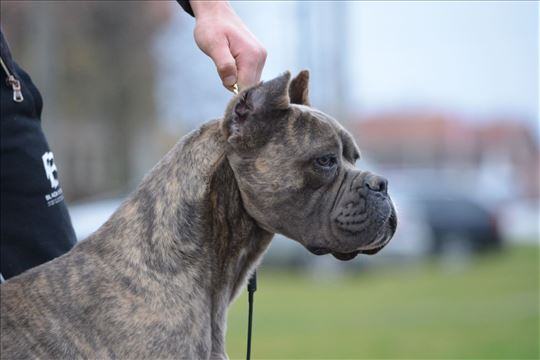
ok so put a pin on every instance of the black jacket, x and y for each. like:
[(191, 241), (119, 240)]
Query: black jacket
[(34, 222), (35, 226)]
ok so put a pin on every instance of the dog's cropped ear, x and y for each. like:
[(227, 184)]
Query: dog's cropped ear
[(270, 95), (250, 112), (298, 89)]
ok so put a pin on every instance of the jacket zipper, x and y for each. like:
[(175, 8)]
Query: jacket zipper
[(14, 83)]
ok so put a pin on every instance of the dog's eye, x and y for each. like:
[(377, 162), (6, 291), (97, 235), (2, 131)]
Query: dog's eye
[(326, 161)]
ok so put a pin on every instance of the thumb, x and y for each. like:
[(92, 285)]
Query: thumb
[(225, 63)]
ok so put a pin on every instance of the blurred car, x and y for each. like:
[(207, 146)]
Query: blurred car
[(459, 224)]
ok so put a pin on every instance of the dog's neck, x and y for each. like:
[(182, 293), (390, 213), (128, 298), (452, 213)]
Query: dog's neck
[(197, 239)]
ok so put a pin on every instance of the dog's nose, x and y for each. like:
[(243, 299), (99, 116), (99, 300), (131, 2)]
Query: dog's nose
[(377, 183)]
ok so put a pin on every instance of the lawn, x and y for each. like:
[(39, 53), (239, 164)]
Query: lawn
[(485, 309)]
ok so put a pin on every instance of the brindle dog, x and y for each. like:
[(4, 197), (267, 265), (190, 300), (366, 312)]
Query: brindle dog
[(156, 279)]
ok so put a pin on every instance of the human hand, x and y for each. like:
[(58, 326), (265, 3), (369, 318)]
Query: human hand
[(220, 34)]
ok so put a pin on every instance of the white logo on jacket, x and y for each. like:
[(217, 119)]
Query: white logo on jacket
[(57, 195), (50, 169)]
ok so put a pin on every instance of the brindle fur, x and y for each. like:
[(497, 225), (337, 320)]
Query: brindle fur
[(156, 279)]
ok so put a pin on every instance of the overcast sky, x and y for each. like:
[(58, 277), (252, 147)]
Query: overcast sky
[(477, 57)]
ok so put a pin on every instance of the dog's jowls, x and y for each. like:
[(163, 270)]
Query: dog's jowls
[(156, 279)]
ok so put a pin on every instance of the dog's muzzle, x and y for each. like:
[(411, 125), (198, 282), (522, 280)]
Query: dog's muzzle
[(365, 216)]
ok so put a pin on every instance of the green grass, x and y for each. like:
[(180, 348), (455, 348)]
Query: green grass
[(485, 310)]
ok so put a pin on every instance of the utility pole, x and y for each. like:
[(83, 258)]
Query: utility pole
[(323, 34)]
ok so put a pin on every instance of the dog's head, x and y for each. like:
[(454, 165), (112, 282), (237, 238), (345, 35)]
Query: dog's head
[(295, 168)]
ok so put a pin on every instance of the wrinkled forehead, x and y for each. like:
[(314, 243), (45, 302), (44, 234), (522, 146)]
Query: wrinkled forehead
[(322, 129)]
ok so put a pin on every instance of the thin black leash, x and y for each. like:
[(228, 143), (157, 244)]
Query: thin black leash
[(252, 287), (252, 282)]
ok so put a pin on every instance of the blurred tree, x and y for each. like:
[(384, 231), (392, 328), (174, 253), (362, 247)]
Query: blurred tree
[(93, 64)]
